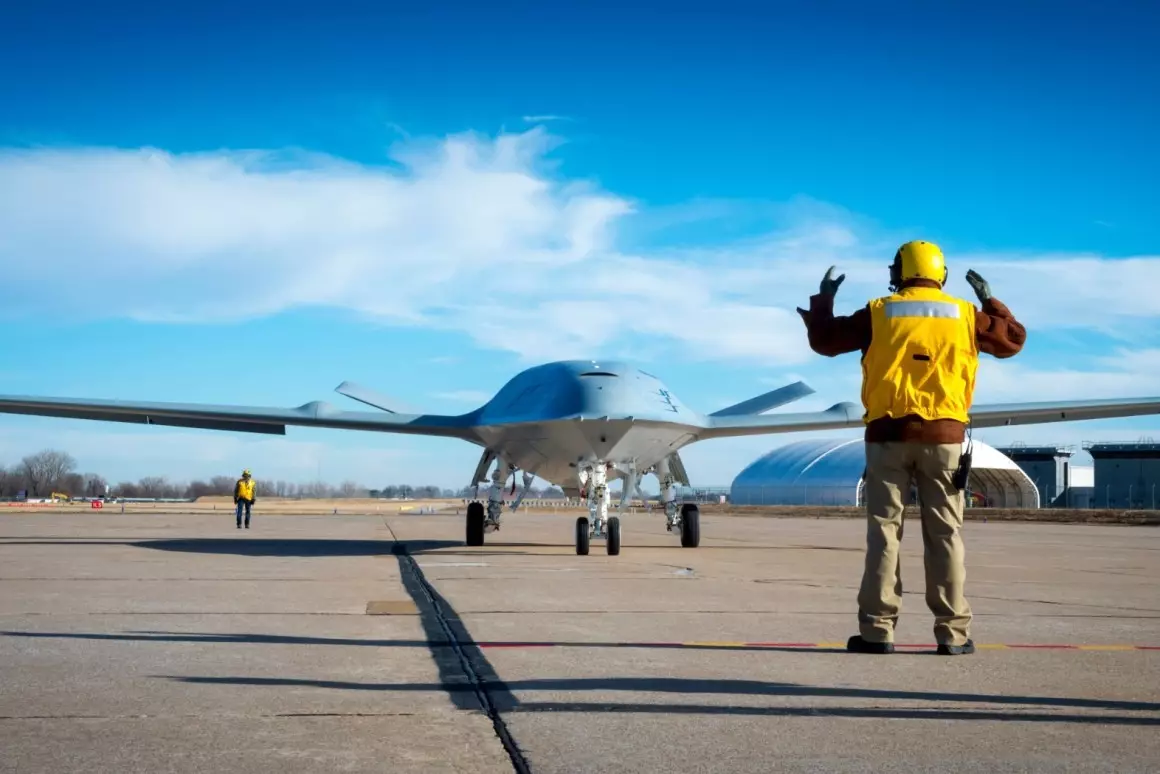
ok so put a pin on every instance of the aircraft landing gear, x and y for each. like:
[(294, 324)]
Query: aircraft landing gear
[(582, 536), (690, 525), (475, 520), (597, 524), (480, 522), (684, 518), (613, 542), (585, 533)]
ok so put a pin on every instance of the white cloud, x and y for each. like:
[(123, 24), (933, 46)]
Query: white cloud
[(480, 236), (476, 235), (1128, 375)]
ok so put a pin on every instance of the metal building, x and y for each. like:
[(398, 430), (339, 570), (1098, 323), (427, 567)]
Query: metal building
[(1061, 483), (1127, 475), (829, 472)]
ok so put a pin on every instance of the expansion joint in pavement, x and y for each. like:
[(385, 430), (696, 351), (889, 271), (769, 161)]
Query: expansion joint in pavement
[(436, 613)]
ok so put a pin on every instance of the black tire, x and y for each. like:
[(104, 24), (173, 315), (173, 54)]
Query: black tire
[(475, 524), (582, 536), (613, 542), (690, 525)]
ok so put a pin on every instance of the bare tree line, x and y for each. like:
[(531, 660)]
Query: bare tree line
[(51, 471)]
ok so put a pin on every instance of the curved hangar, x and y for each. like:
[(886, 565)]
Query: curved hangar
[(829, 472)]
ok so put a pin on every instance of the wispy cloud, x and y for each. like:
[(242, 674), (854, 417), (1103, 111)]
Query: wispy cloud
[(458, 228), (544, 118)]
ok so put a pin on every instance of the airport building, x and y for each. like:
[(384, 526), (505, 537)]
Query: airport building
[(1061, 482), (1127, 475), (829, 472)]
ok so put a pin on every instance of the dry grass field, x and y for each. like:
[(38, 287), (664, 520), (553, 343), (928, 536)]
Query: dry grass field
[(274, 506)]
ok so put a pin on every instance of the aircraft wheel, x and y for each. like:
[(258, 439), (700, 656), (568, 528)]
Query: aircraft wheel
[(690, 525), (475, 524), (613, 542), (582, 536)]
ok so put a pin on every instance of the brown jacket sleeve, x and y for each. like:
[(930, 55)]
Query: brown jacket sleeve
[(997, 331), (832, 336)]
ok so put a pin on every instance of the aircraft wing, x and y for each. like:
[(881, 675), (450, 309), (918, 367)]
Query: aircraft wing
[(246, 419), (847, 415)]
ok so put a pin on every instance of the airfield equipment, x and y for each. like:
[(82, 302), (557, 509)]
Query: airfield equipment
[(577, 424)]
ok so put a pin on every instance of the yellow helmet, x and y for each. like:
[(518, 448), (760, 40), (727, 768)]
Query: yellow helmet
[(245, 472), (918, 260)]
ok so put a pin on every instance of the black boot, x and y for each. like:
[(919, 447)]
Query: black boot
[(858, 645), (966, 649)]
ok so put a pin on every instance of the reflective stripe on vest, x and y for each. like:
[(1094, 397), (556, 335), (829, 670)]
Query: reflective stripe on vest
[(923, 309), (922, 358)]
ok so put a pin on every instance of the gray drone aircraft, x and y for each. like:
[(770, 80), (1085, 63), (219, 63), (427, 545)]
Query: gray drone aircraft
[(577, 424)]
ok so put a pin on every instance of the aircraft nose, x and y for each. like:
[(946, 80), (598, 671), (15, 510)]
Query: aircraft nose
[(604, 394)]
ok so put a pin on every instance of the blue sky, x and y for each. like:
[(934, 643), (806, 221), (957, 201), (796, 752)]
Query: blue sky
[(250, 206)]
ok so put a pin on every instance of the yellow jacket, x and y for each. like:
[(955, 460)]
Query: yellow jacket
[(923, 356), (245, 489)]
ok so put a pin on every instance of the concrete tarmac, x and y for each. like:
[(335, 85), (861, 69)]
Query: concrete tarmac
[(169, 643)]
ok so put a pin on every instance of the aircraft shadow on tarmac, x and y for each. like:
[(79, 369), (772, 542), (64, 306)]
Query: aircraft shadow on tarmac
[(471, 682), (337, 547), (291, 548), (501, 694)]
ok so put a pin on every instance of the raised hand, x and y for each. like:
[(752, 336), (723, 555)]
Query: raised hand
[(829, 285), (982, 289)]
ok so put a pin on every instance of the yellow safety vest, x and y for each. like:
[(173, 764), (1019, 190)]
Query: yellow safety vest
[(923, 356), (245, 489)]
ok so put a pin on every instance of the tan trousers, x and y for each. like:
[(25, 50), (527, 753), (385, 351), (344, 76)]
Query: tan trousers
[(890, 469)]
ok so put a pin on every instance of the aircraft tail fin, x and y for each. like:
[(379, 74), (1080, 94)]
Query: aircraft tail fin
[(770, 400), (372, 398)]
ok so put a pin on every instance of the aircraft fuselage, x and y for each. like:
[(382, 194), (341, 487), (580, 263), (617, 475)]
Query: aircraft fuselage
[(556, 418)]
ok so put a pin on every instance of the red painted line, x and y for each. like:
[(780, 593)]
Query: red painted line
[(805, 645), (517, 644)]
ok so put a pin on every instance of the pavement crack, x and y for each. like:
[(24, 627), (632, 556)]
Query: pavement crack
[(441, 622)]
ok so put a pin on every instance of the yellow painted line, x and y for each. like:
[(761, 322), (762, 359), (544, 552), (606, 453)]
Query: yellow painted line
[(1105, 647)]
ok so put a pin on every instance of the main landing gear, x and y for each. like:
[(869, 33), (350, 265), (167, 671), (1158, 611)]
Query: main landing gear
[(690, 525), (686, 518), (480, 522)]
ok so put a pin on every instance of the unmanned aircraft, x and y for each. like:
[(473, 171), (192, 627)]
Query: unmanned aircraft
[(578, 424)]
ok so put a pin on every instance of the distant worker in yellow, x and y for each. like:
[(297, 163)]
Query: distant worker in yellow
[(920, 352), (244, 496)]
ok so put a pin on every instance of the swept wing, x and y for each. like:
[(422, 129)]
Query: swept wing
[(767, 401), (248, 419), (844, 415)]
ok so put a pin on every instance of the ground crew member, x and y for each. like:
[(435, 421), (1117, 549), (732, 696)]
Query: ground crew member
[(244, 492), (920, 350)]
